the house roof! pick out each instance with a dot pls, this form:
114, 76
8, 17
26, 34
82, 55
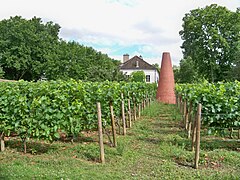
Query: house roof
132, 64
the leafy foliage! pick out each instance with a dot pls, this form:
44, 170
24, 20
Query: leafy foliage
1, 72
138, 76
186, 73
40, 110
211, 38
31, 50
220, 102
24, 45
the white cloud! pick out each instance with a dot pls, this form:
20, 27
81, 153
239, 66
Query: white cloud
154, 25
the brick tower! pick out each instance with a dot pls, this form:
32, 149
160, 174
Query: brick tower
165, 91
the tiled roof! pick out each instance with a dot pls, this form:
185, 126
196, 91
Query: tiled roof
132, 64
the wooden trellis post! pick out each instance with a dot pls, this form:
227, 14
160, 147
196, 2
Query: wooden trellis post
184, 113
134, 112
113, 126
129, 114
194, 131
100, 133
2, 142
190, 120
198, 127
123, 116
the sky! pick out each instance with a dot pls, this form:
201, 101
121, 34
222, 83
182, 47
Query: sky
116, 27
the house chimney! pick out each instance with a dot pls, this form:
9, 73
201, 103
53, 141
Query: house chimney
125, 58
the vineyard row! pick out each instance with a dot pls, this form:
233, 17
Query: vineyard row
40, 110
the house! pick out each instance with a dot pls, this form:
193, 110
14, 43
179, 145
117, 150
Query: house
138, 64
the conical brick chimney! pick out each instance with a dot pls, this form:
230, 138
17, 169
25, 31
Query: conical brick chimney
165, 91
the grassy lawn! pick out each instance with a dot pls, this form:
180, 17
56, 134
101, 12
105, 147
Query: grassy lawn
154, 148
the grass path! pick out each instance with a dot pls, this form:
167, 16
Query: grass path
155, 148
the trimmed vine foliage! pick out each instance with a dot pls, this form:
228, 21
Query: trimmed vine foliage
40, 110
220, 102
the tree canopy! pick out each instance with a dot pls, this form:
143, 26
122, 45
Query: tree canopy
211, 39
138, 76
31, 50
186, 72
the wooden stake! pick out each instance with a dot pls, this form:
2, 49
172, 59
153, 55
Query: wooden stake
198, 126
180, 103
190, 120
2, 142
25, 145
231, 133
139, 111
189, 129
194, 132
100, 133
123, 116
177, 100
113, 126
187, 116
134, 112
184, 113
129, 114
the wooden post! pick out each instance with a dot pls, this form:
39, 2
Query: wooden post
194, 131
190, 120
134, 112
180, 102
184, 113
100, 133
113, 126
177, 100
139, 110
198, 127
25, 145
123, 116
238, 133
2, 142
186, 116
129, 114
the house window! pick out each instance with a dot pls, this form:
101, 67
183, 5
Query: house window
147, 78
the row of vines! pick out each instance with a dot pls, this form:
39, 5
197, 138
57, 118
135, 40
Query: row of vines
220, 103
215, 106
40, 110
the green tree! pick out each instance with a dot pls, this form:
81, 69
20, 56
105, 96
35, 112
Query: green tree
187, 71
72, 60
234, 74
1, 72
156, 65
24, 45
211, 39
31, 49
138, 76
176, 70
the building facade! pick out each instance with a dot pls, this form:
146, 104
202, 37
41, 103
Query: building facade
138, 64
